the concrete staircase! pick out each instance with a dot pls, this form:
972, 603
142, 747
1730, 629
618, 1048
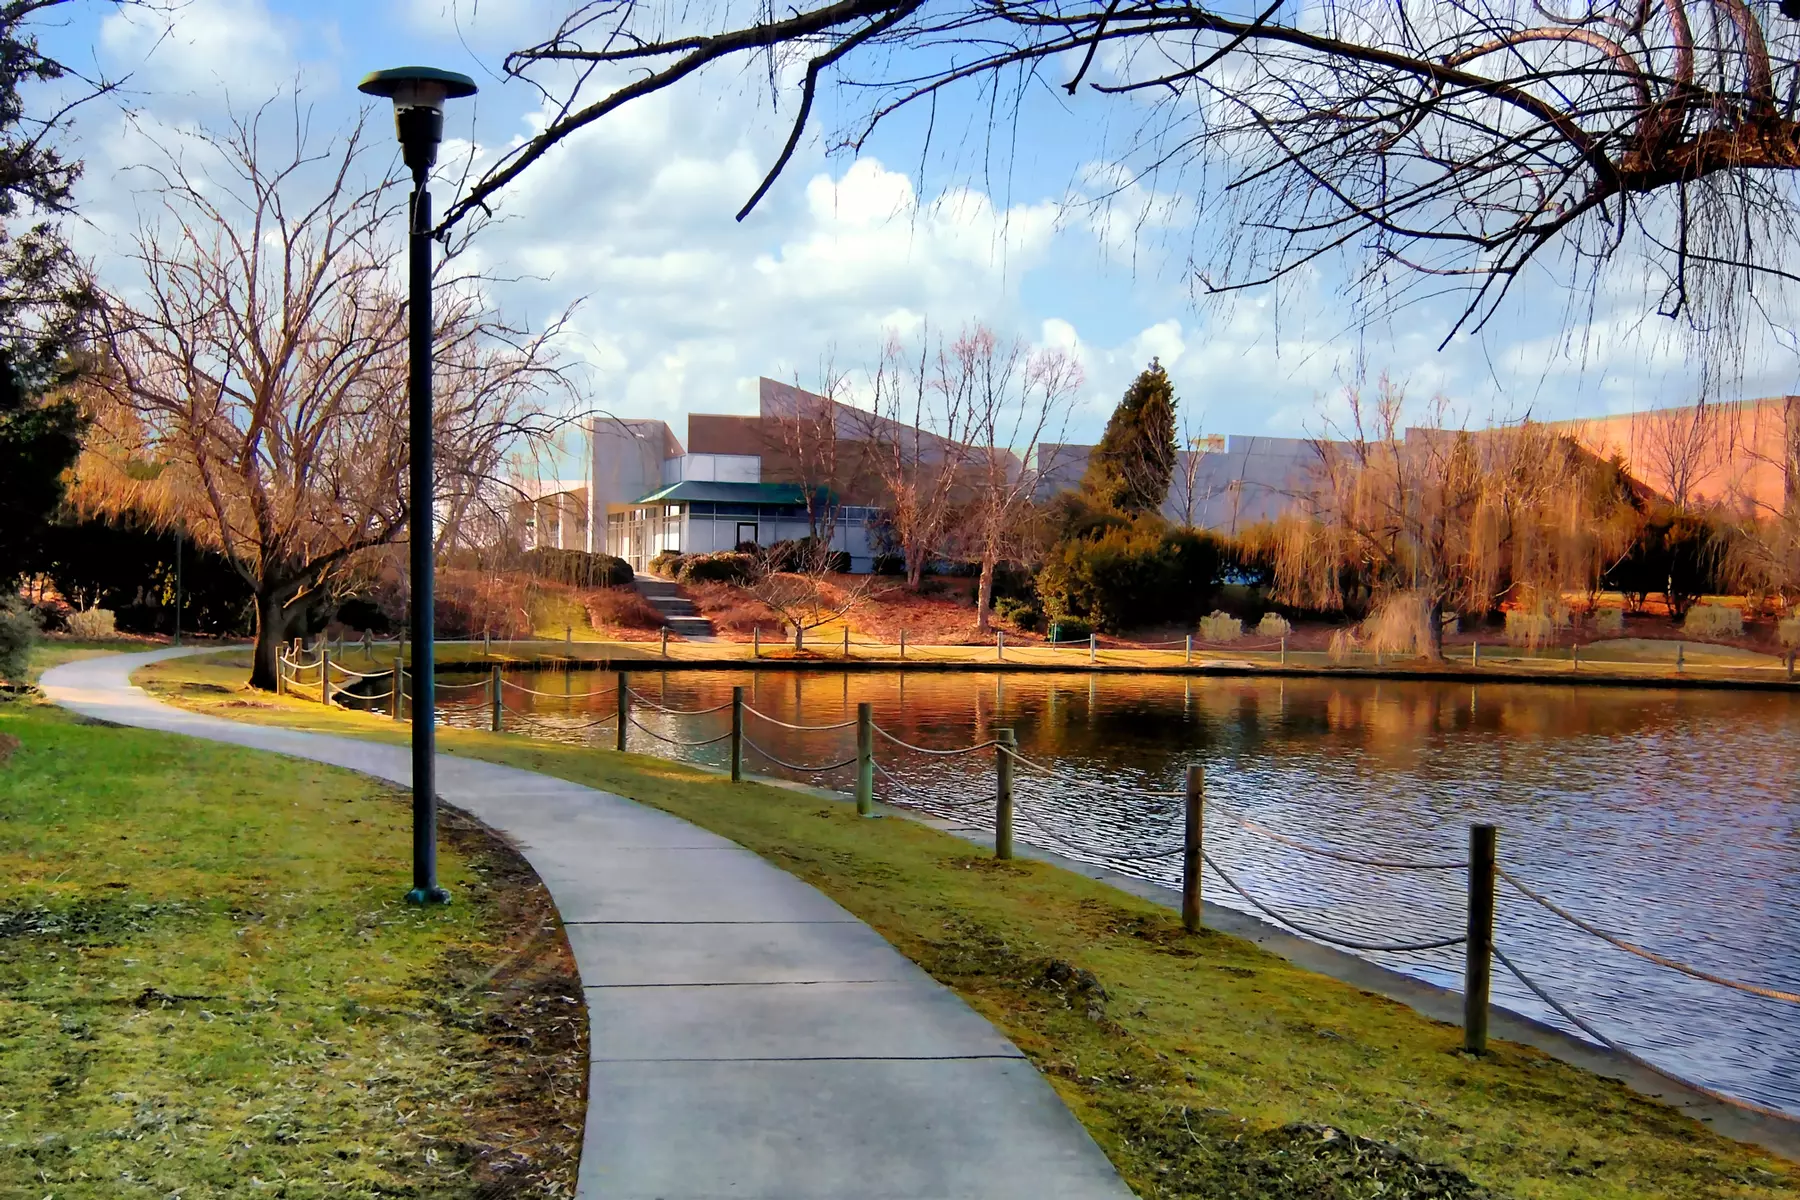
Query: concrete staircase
678, 612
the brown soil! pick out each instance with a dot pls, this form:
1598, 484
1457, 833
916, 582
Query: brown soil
523, 1136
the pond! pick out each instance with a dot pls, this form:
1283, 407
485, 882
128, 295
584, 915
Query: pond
1666, 817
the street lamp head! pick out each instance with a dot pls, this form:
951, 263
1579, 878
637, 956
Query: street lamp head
418, 94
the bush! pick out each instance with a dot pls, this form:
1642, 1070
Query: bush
666, 564
1274, 625
1221, 627
746, 547
726, 566
1124, 577
806, 555
18, 633
1021, 614
620, 608
1713, 621
578, 568
92, 624
1344, 643
1068, 629
1608, 622
1788, 630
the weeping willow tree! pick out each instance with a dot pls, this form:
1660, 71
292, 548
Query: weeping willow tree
1416, 524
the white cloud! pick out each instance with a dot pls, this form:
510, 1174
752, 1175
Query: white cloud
203, 47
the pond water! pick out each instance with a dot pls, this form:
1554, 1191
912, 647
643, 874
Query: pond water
1666, 817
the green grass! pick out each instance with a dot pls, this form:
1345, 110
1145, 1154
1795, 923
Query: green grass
1204, 1066
209, 985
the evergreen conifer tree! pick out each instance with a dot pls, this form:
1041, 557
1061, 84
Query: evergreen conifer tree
1131, 468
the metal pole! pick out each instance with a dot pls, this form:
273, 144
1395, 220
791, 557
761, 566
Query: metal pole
1004, 742
178, 587
623, 712
865, 759
737, 734
1478, 965
420, 534
494, 698
1192, 844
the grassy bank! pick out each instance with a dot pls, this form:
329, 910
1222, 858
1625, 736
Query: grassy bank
1203, 1065
210, 987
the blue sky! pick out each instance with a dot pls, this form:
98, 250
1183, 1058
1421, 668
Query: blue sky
681, 308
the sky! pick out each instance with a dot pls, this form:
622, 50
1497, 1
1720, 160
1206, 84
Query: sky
676, 308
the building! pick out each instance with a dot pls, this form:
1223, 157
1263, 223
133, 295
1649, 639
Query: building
1222, 484
738, 480
553, 514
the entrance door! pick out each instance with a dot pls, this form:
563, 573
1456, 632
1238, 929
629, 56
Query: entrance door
746, 533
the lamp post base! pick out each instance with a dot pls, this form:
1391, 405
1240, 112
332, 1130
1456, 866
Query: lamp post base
424, 896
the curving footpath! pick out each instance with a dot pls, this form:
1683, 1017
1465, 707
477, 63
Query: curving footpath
749, 1037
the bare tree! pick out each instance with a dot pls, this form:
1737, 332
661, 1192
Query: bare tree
916, 433
1435, 146
262, 369
804, 594
1014, 395
1440, 519
1185, 489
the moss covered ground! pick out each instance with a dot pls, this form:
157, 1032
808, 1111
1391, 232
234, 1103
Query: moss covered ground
1204, 1066
210, 986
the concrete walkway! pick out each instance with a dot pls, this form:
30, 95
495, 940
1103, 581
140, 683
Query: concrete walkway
750, 1038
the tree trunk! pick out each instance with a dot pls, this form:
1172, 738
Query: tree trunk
915, 568
1434, 631
984, 594
799, 633
271, 632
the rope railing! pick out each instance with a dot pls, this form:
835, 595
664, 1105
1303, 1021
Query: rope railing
674, 741
1070, 845
678, 712
802, 767
895, 780
519, 687
558, 725
1587, 1027
1096, 785
925, 750
349, 674
1321, 935
802, 728
1754, 989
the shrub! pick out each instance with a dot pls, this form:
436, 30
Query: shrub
18, 633
726, 566
1608, 622
1400, 624
1788, 630
1274, 625
1126, 576
1022, 614
1221, 627
746, 547
578, 568
1069, 629
92, 624
1344, 643
620, 608
667, 563
1713, 621
888, 564
808, 554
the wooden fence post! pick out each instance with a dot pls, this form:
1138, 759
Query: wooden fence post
665, 641
865, 759
1004, 743
1284, 649
398, 699
569, 634
1479, 949
281, 671
902, 642
1475, 653
1192, 845
1680, 657
756, 641
737, 734
494, 723
1575, 660
325, 672
1091, 644
1187, 652
623, 712
1000, 645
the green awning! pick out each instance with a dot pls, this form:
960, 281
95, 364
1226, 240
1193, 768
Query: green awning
691, 491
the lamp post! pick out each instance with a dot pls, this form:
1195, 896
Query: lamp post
418, 94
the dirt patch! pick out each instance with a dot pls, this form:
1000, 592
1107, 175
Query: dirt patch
526, 1004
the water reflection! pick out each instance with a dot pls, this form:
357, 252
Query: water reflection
1666, 816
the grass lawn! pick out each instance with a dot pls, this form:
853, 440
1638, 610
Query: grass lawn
210, 986
1204, 1066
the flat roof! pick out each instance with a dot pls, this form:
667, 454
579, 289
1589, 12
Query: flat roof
691, 491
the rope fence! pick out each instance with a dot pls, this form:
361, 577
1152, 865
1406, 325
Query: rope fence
1000, 810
